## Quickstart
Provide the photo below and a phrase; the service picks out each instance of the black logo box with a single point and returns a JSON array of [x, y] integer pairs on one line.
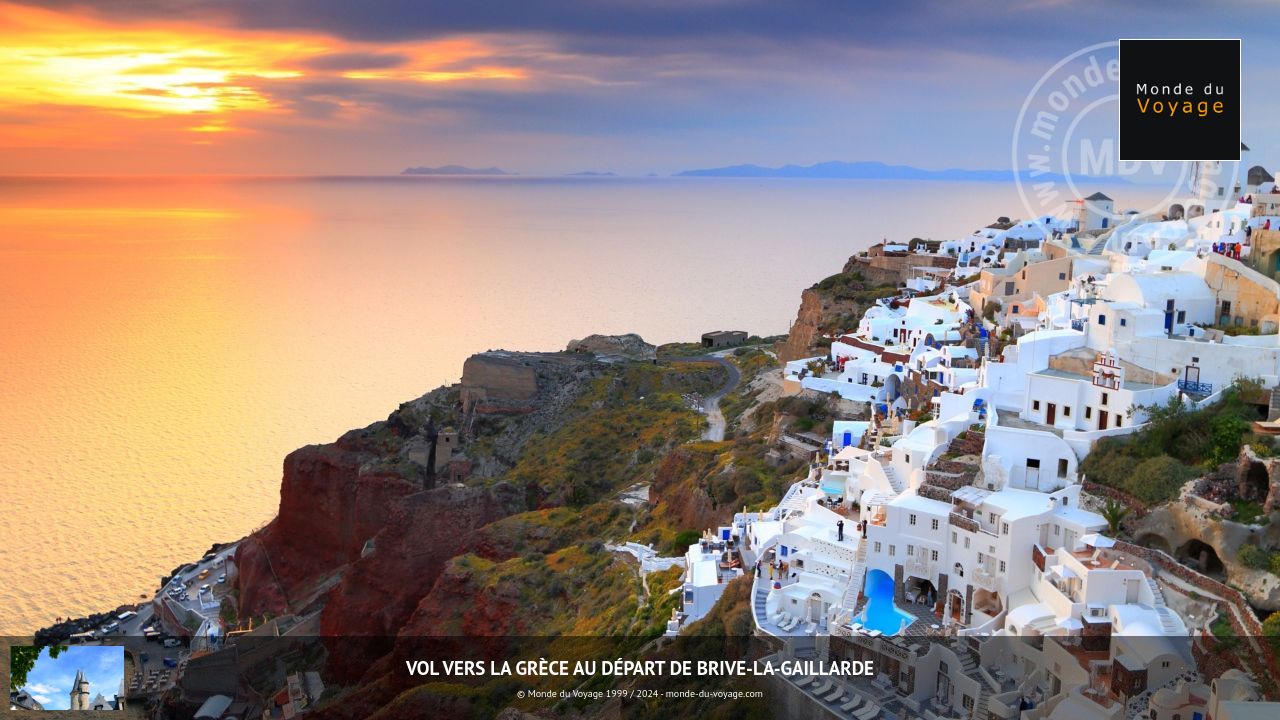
[[1180, 66]]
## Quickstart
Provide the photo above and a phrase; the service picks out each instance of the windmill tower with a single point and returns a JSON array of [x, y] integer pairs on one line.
[[1209, 184], [80, 692]]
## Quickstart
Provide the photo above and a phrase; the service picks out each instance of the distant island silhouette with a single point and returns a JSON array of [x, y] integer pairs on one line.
[[453, 170], [871, 170]]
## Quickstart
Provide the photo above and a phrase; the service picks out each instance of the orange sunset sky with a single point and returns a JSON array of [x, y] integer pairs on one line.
[[335, 86]]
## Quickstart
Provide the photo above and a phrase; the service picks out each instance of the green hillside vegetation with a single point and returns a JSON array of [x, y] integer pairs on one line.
[[1177, 444], [751, 362], [549, 529], [619, 430], [725, 633]]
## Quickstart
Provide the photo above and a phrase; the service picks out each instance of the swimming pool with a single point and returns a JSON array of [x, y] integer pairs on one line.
[[833, 486], [880, 613]]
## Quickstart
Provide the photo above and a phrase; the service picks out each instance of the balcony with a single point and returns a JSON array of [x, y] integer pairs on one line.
[[1195, 388], [964, 523], [919, 566], [986, 580]]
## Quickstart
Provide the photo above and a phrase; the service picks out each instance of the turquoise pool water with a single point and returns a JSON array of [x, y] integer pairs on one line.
[[880, 613], [833, 487]]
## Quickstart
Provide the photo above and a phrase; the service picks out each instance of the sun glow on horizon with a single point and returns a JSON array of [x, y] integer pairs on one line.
[[53, 65]]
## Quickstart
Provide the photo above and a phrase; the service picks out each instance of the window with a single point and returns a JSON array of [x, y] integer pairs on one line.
[[1102, 319], [1066, 411], [953, 537], [912, 519], [1062, 467], [933, 555], [1015, 310], [1118, 419], [893, 550], [934, 523], [1004, 528], [1035, 405], [1182, 317], [1123, 322], [1088, 412], [1105, 397], [1057, 530], [911, 551], [877, 546], [966, 543], [1002, 570], [1062, 276], [1033, 463], [1008, 288]]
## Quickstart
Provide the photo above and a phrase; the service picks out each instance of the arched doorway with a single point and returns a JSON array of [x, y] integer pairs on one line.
[[815, 608], [1255, 483], [921, 591], [1176, 211], [955, 603], [1155, 541], [1201, 556]]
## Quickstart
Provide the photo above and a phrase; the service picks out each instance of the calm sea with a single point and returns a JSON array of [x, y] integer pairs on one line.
[[165, 342]]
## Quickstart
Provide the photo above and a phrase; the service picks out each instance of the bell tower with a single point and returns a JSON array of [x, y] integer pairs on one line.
[[80, 692]]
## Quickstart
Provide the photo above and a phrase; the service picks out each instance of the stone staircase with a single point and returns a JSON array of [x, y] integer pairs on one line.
[[849, 603], [791, 500], [1168, 621], [980, 703], [894, 481], [759, 605], [1156, 592]]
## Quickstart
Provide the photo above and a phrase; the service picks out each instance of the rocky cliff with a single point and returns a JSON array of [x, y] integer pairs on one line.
[[373, 547], [835, 305]]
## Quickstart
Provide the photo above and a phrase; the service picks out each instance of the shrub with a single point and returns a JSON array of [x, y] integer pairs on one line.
[[1109, 464], [1254, 557], [1157, 479], [683, 540], [1225, 433], [1271, 627]]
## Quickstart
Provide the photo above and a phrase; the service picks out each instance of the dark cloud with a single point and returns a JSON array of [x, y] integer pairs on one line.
[[340, 62], [631, 27]]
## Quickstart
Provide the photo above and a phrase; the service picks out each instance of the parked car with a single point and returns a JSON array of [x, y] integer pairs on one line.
[[110, 627], [170, 663], [171, 642], [222, 578]]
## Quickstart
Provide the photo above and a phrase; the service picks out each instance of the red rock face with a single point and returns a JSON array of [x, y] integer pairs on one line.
[[685, 504], [379, 593], [329, 508]]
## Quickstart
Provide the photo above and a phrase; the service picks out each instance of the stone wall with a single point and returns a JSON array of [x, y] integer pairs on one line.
[[497, 379]]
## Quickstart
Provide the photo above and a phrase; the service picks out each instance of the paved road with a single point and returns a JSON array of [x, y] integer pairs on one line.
[[711, 403]]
